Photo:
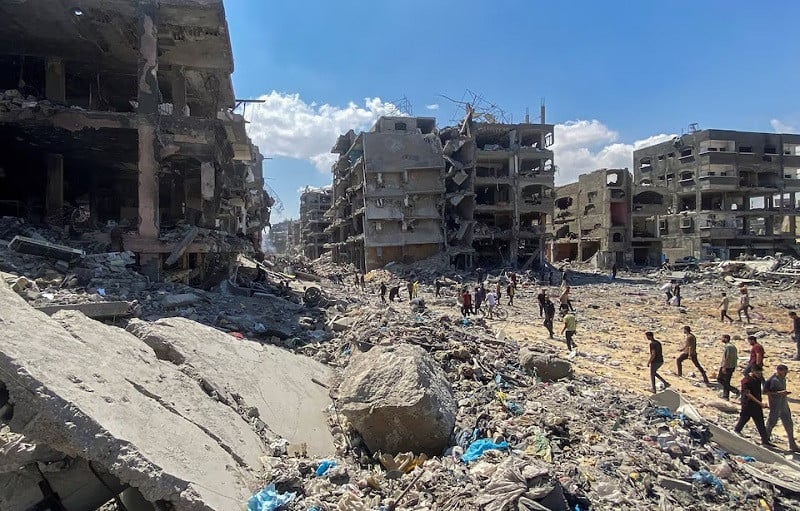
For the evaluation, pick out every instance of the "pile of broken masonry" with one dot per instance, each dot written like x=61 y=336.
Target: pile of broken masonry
x=389 y=409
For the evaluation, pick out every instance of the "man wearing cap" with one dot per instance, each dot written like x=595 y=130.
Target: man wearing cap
x=752 y=406
x=775 y=389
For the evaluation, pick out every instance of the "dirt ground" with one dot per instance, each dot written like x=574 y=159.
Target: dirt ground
x=612 y=319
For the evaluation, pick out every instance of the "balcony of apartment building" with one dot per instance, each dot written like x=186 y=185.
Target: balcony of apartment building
x=791 y=178
x=536 y=198
x=535 y=143
x=536 y=170
x=760 y=179
x=492 y=172
x=717 y=177
x=497 y=197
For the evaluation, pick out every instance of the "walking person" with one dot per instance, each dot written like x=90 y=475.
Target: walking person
x=676 y=293
x=394 y=292
x=466 y=303
x=752 y=405
x=541 y=298
x=491 y=303
x=689 y=351
x=777 y=396
x=570 y=327
x=655 y=361
x=667 y=288
x=566 y=303
x=727 y=366
x=723 y=308
x=564 y=281
x=437 y=285
x=497 y=290
x=410 y=287
x=614 y=271
x=549 y=315
x=383 y=292
x=511 y=290
x=795 y=332
x=744 y=304
x=363 y=283
x=478 y=298
x=756 y=355
x=415 y=288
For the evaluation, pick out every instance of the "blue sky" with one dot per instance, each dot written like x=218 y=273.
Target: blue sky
x=614 y=74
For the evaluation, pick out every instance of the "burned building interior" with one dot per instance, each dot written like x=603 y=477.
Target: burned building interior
x=116 y=122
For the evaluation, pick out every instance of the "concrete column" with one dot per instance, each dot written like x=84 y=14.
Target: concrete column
x=178 y=94
x=55 y=80
x=148 y=98
x=54 y=197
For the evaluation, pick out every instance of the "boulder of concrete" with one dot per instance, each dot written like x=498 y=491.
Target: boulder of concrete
x=97 y=393
x=181 y=300
x=273 y=384
x=399 y=399
x=341 y=324
x=546 y=367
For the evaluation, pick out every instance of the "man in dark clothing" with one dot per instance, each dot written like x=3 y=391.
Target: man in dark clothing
x=549 y=315
x=795 y=333
x=478 y=299
x=614 y=271
x=690 y=351
x=676 y=292
x=394 y=292
x=383 y=292
x=549 y=277
x=775 y=389
x=726 y=367
x=437 y=284
x=466 y=303
x=410 y=286
x=541 y=297
x=511 y=290
x=655 y=361
x=752 y=406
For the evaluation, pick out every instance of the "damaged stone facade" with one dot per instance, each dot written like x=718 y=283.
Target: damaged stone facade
x=116 y=118
x=591 y=219
x=715 y=193
x=480 y=192
x=314 y=203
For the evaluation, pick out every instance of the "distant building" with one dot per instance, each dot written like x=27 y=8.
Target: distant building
x=314 y=203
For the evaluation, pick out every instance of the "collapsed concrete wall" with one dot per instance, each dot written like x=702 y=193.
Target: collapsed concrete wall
x=97 y=394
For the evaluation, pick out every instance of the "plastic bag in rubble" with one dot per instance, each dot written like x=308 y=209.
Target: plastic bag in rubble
x=269 y=500
x=478 y=447
x=324 y=466
x=706 y=477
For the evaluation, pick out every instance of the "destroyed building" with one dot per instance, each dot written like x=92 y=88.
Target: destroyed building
x=387 y=194
x=480 y=191
x=715 y=193
x=278 y=240
x=314 y=203
x=591 y=219
x=117 y=119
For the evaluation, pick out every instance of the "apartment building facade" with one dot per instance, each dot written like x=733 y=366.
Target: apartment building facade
x=717 y=193
x=314 y=203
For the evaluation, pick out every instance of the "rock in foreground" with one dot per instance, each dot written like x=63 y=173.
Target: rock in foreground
x=399 y=399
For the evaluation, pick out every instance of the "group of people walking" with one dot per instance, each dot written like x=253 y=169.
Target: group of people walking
x=753 y=386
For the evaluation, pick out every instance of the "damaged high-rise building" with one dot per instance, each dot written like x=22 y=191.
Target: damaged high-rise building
x=480 y=192
x=715 y=193
x=314 y=203
x=117 y=116
x=591 y=219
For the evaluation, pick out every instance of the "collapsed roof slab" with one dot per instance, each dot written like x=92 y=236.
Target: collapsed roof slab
x=276 y=385
x=96 y=392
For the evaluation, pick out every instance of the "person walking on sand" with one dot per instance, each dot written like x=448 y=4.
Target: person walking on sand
x=415 y=288
x=744 y=304
x=756 y=355
x=614 y=271
x=667 y=288
x=383 y=292
x=566 y=303
x=689 y=351
x=497 y=290
x=478 y=299
x=569 y=329
x=549 y=315
x=723 y=308
x=752 y=405
x=541 y=298
x=676 y=293
x=655 y=361
x=466 y=303
x=511 y=292
x=795 y=333
x=777 y=396
x=727 y=366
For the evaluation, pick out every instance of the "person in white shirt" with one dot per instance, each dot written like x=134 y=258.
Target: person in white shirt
x=491 y=302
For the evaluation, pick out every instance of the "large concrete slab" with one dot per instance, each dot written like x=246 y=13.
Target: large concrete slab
x=275 y=382
x=96 y=392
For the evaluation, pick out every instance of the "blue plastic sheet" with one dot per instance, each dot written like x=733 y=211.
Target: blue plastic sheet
x=478 y=447
x=269 y=500
x=324 y=466
x=706 y=477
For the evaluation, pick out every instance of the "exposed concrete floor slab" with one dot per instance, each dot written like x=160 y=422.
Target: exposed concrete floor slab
x=276 y=382
x=97 y=392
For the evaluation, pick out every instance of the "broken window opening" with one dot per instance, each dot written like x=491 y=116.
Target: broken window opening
x=613 y=179
x=770 y=149
x=564 y=202
x=400 y=126
x=746 y=149
x=616 y=237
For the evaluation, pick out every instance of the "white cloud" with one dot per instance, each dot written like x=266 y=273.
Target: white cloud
x=781 y=127
x=584 y=146
x=285 y=125
x=434 y=106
